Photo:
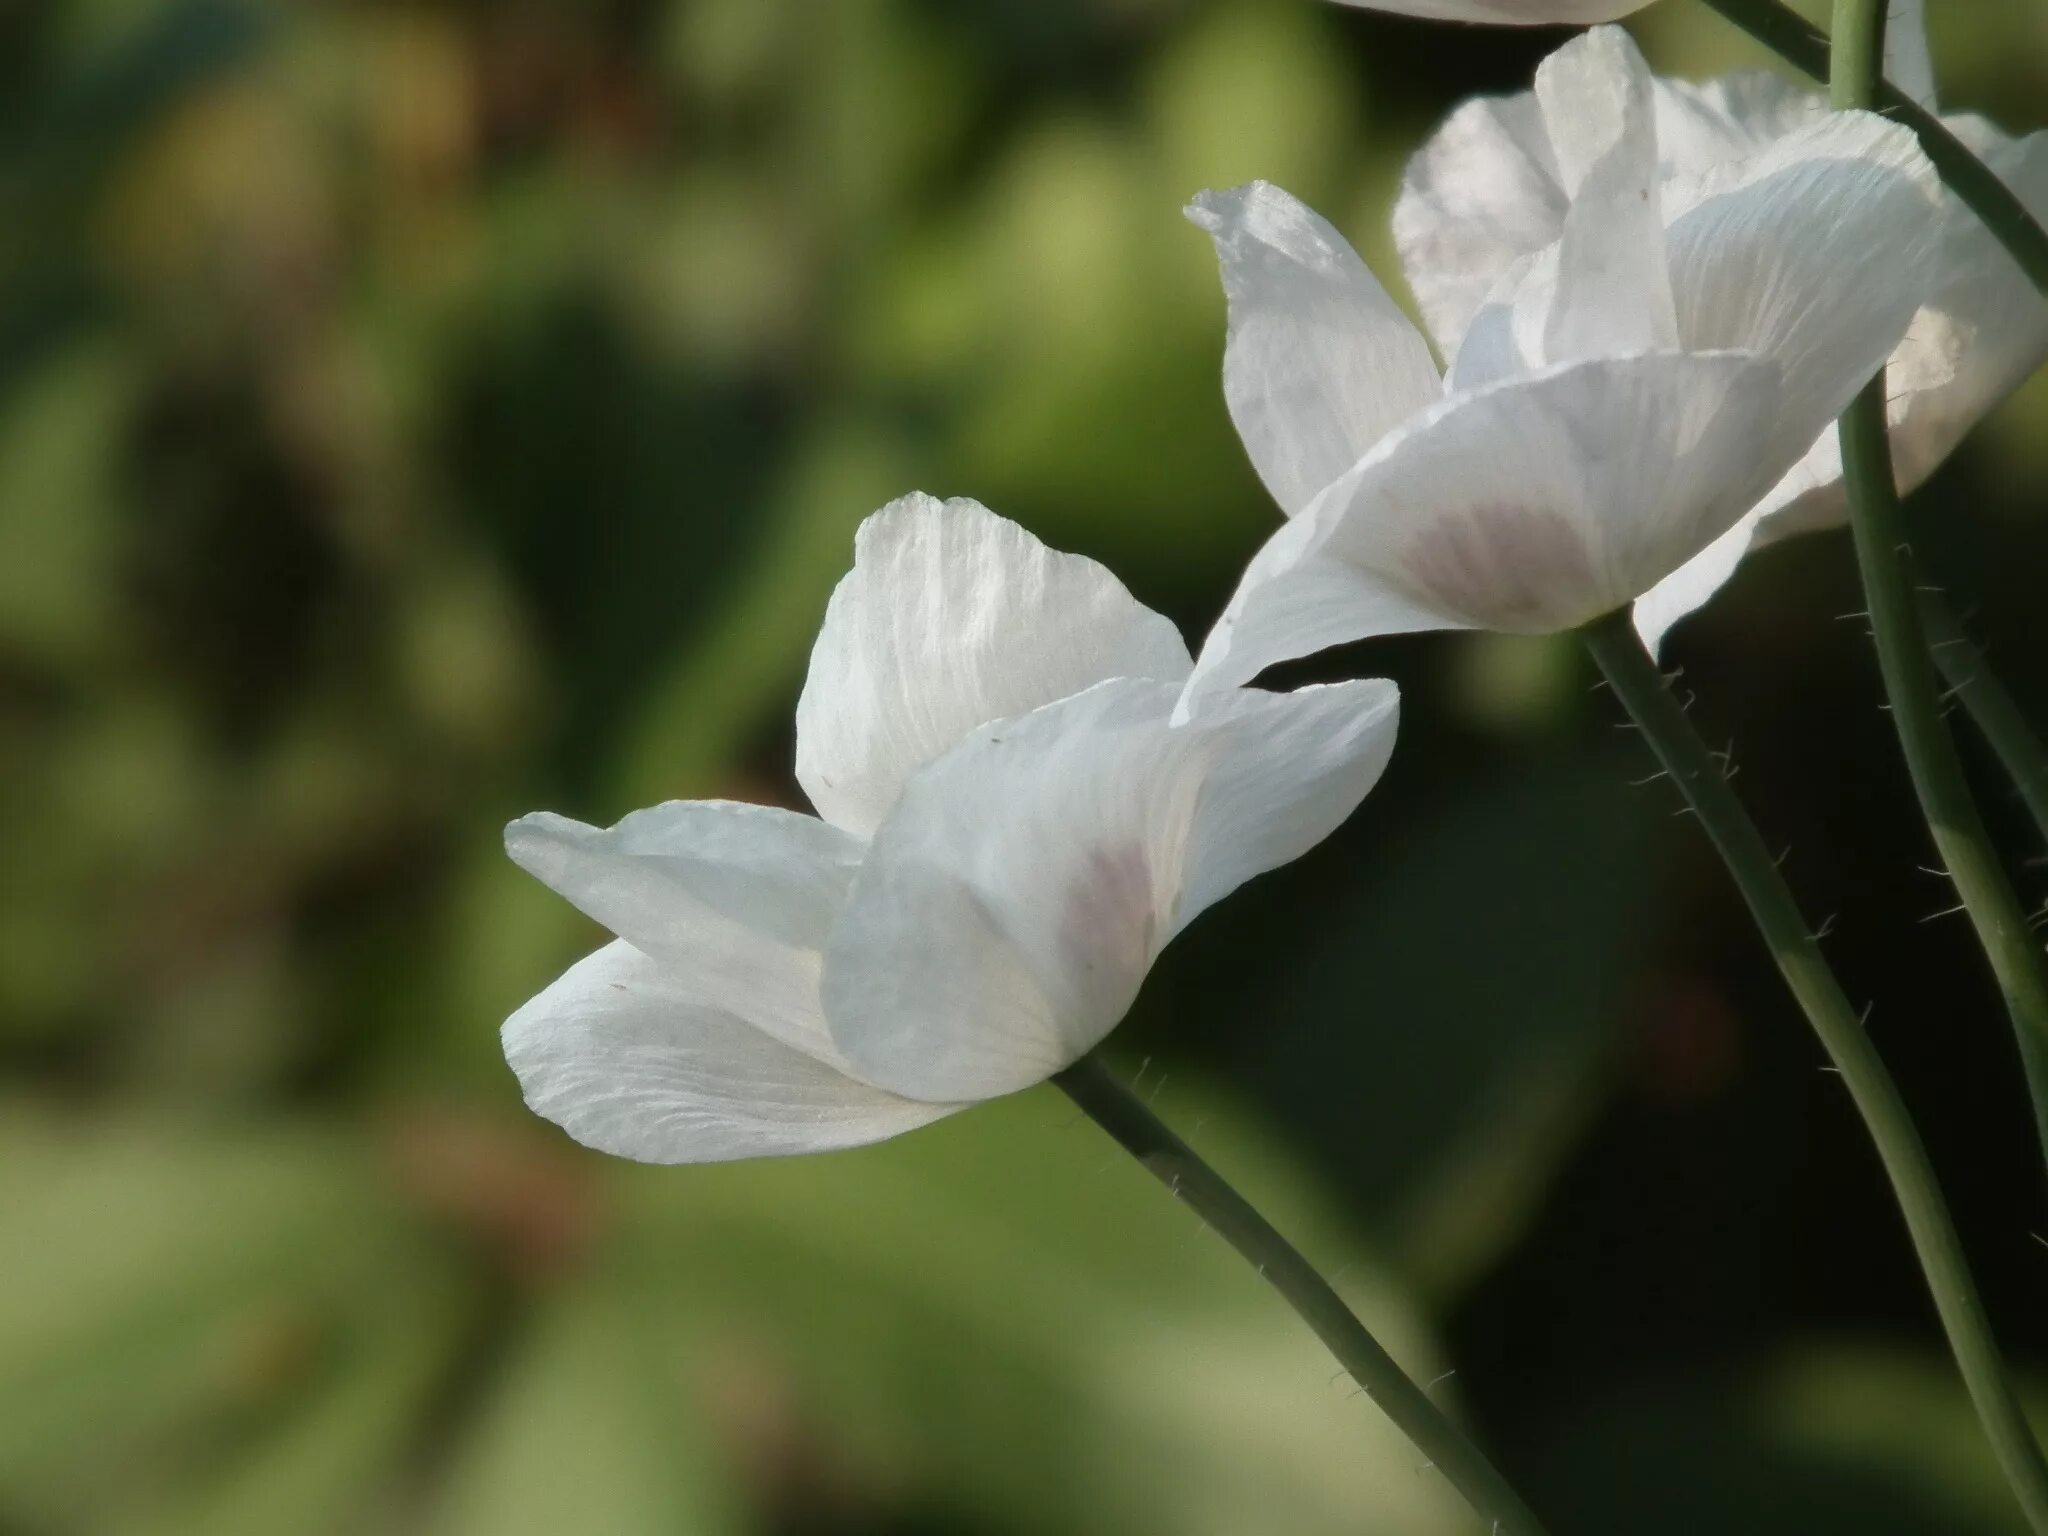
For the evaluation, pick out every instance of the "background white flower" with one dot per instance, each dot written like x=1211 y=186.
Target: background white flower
x=1011 y=830
x=1509 y=13
x=1486 y=192
x=1903 y=66
x=1619 y=399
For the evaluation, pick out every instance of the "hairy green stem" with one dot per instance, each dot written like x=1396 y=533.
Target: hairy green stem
x=1856 y=55
x=1890 y=593
x=1702 y=779
x=1106 y=1101
x=1966 y=850
x=1998 y=716
x=1789 y=35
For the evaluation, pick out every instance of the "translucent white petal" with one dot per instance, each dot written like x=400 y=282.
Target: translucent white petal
x=1686 y=589
x=1504 y=338
x=1984 y=330
x=1015 y=900
x=1510 y=13
x=1528 y=507
x=1612 y=293
x=736 y=900
x=1815 y=253
x=1487 y=191
x=1320 y=363
x=1702 y=124
x=1975 y=340
x=952 y=617
x=1480 y=195
x=1907 y=63
x=628 y=1060
x=1296 y=598
x=1287 y=770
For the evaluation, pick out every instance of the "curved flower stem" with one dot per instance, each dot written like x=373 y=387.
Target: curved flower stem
x=1789 y=35
x=1966 y=850
x=1106 y=1101
x=1702 y=779
x=1889 y=590
x=1998 y=716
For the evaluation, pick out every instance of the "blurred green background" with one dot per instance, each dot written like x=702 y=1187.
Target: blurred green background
x=412 y=414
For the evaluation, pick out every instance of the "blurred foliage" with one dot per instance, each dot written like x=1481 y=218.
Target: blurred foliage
x=412 y=414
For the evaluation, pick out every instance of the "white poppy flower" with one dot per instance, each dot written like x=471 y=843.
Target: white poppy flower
x=1904 y=17
x=1486 y=192
x=1508 y=13
x=1010 y=831
x=1620 y=397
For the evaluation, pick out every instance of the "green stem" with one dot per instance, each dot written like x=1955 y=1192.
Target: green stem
x=1789 y=35
x=1106 y=1101
x=1703 y=781
x=1998 y=716
x=1959 y=835
x=1889 y=590
x=1856 y=55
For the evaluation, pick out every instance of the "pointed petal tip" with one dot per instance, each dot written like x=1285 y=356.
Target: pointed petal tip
x=1651 y=628
x=910 y=506
x=1217 y=671
x=1216 y=209
x=1377 y=696
x=530 y=838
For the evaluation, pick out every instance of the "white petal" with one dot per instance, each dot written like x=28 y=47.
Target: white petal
x=1487 y=195
x=736 y=900
x=952 y=617
x=1703 y=124
x=1296 y=598
x=1686 y=589
x=1014 y=902
x=1975 y=341
x=1612 y=293
x=1483 y=193
x=628 y=1061
x=1816 y=253
x=1486 y=190
x=1984 y=330
x=1531 y=506
x=1505 y=338
x=1511 y=13
x=1288 y=769
x=1320 y=363
x=1907 y=63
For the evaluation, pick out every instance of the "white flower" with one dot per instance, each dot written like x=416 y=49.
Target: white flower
x=1619 y=399
x=1011 y=830
x=1486 y=192
x=1508 y=13
x=1904 y=19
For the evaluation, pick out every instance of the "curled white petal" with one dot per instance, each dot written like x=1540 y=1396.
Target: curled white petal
x=627 y=1059
x=1024 y=885
x=736 y=900
x=952 y=617
x=1530 y=506
x=1319 y=363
